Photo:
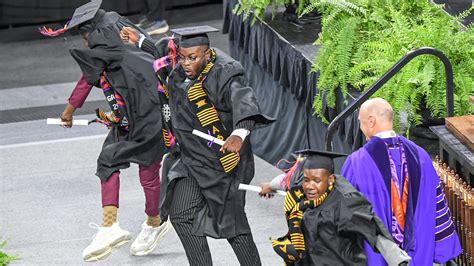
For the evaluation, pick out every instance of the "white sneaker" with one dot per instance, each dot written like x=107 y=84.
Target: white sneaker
x=106 y=239
x=148 y=238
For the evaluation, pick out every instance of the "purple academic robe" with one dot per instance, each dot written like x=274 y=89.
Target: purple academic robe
x=429 y=235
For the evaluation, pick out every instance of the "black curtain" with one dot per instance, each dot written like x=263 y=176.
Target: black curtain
x=31 y=12
x=285 y=88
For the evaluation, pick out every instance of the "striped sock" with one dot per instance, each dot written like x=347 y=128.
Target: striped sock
x=109 y=215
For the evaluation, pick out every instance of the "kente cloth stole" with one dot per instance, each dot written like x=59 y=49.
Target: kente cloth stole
x=208 y=117
x=291 y=247
x=399 y=198
x=118 y=114
x=168 y=137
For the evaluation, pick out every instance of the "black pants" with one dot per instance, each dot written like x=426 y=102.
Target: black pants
x=187 y=198
x=154 y=9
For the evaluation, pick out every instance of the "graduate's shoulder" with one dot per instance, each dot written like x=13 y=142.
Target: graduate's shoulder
x=109 y=18
x=345 y=188
x=105 y=38
x=224 y=71
x=227 y=65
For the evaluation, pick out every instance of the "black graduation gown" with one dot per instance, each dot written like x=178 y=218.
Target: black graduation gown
x=113 y=20
x=223 y=216
x=334 y=232
x=129 y=71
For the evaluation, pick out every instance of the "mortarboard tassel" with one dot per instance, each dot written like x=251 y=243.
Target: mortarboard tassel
x=172 y=51
x=287 y=179
x=52 y=33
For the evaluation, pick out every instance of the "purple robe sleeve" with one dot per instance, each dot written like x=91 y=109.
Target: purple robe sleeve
x=348 y=172
x=80 y=93
x=356 y=217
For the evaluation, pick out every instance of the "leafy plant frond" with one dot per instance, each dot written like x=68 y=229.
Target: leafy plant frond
x=5 y=258
x=361 y=39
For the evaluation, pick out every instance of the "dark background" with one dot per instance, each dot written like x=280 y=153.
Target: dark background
x=14 y=13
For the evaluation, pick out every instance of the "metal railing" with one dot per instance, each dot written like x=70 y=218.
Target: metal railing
x=331 y=130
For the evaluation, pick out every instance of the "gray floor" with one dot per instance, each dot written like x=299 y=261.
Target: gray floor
x=50 y=195
x=48 y=191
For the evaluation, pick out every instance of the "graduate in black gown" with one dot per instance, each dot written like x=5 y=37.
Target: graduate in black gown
x=208 y=92
x=328 y=220
x=129 y=85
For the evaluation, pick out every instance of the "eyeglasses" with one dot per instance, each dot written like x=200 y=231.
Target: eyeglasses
x=190 y=59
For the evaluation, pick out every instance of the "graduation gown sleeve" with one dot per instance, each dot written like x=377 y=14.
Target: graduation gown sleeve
x=356 y=217
x=103 y=53
x=157 y=49
x=91 y=65
x=244 y=104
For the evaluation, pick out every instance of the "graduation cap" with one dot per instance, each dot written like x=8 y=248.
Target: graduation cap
x=194 y=36
x=81 y=15
x=315 y=159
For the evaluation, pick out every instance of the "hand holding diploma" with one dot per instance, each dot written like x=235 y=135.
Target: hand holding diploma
x=232 y=144
x=258 y=189
x=208 y=137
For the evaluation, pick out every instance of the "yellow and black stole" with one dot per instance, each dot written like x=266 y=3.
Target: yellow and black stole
x=208 y=117
x=291 y=247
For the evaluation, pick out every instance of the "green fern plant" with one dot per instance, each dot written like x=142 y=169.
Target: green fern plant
x=361 y=39
x=257 y=8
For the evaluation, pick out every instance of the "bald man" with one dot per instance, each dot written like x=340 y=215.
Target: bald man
x=398 y=178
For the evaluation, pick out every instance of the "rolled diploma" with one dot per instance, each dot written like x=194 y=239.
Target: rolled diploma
x=258 y=189
x=208 y=137
x=57 y=121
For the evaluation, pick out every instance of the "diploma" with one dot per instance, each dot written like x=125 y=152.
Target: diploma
x=208 y=137
x=258 y=189
x=75 y=122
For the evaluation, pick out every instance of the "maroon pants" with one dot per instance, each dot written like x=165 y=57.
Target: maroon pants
x=150 y=181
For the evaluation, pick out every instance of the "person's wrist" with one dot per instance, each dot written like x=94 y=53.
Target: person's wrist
x=242 y=133
x=139 y=40
x=66 y=116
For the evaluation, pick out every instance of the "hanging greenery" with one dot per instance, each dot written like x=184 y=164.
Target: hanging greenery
x=258 y=7
x=361 y=39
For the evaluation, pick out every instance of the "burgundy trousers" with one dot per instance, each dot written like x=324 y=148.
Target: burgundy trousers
x=150 y=181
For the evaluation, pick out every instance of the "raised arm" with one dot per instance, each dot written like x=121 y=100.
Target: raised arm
x=156 y=48
x=246 y=113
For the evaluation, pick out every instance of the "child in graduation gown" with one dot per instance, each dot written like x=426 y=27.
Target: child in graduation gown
x=328 y=220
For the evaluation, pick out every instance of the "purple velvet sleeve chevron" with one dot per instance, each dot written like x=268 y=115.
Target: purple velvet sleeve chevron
x=444 y=223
